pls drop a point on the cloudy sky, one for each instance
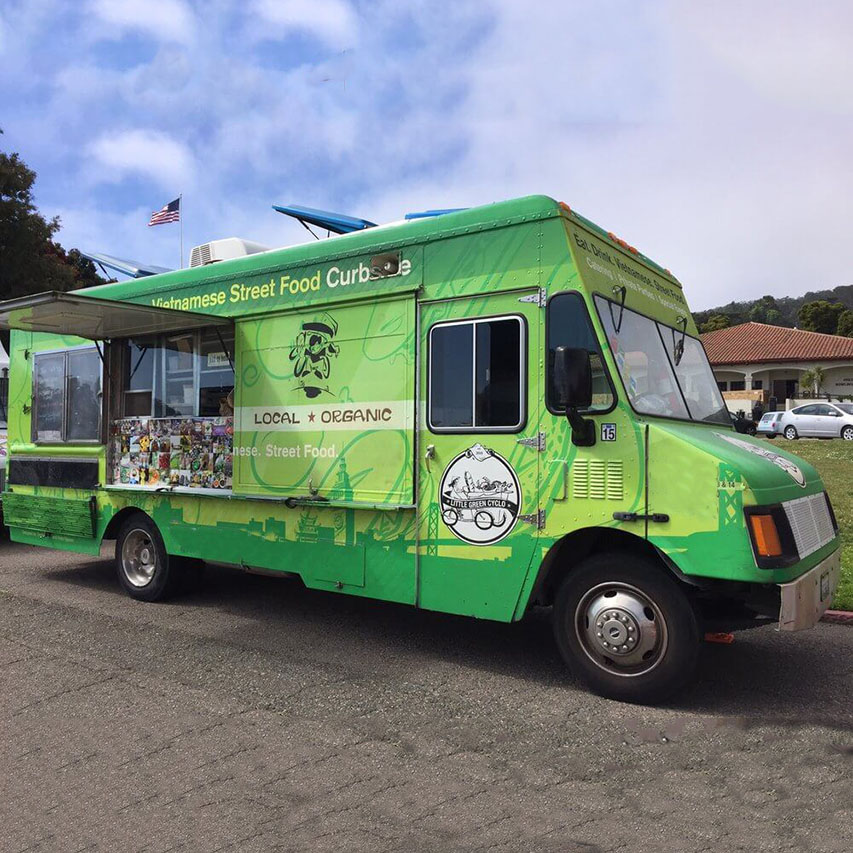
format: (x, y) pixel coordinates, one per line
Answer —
(716, 137)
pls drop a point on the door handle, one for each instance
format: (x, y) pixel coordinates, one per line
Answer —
(430, 454)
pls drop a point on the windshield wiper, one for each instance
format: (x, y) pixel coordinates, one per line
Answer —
(623, 293)
(678, 345)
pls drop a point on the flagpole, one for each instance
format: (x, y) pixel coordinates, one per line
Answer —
(181, 218)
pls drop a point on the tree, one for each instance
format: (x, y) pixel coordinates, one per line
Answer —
(715, 322)
(31, 261)
(766, 310)
(820, 316)
(813, 378)
(845, 324)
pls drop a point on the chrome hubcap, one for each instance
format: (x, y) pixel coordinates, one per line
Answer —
(138, 558)
(616, 631)
(621, 629)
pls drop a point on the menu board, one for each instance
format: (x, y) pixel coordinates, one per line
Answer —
(163, 452)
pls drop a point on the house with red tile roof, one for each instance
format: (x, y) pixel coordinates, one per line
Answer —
(757, 356)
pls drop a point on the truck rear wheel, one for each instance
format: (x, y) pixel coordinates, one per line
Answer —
(626, 628)
(145, 570)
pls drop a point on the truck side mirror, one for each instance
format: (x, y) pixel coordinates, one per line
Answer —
(572, 378)
(573, 390)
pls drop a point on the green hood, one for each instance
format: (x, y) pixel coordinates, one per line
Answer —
(772, 473)
(701, 477)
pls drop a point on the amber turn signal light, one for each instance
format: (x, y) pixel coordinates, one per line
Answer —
(765, 535)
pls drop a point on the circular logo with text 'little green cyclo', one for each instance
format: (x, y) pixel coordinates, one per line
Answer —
(479, 496)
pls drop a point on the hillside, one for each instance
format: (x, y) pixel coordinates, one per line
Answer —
(778, 312)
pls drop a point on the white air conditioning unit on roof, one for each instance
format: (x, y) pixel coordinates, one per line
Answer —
(225, 249)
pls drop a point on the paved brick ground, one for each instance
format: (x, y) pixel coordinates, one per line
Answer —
(256, 715)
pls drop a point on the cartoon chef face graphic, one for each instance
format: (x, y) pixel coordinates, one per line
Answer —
(312, 353)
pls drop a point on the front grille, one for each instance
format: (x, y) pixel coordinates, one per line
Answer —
(810, 523)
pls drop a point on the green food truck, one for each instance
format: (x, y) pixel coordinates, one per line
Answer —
(477, 413)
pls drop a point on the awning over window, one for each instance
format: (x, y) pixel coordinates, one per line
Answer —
(97, 319)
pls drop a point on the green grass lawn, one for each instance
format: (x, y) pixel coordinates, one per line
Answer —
(834, 462)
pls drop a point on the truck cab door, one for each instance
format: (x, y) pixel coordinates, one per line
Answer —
(479, 449)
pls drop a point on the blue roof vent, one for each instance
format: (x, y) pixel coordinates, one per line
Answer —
(134, 269)
(424, 214)
(339, 223)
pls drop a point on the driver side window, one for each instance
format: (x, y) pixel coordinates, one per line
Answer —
(568, 325)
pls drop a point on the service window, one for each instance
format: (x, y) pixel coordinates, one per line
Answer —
(476, 375)
(215, 375)
(185, 374)
(138, 385)
(67, 396)
(177, 393)
(177, 390)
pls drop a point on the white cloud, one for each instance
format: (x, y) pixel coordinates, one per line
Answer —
(165, 20)
(332, 21)
(670, 132)
(803, 63)
(149, 153)
(715, 138)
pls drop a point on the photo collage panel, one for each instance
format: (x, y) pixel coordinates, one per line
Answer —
(163, 452)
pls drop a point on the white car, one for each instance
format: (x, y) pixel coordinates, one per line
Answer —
(813, 420)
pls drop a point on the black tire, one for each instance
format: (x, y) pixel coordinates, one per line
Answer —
(790, 432)
(145, 570)
(847, 433)
(671, 655)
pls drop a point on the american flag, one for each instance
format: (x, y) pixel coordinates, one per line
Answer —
(169, 213)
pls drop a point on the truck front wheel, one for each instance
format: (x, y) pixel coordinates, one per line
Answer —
(626, 628)
(144, 568)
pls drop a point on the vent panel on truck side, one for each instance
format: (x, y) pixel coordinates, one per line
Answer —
(598, 479)
(55, 516)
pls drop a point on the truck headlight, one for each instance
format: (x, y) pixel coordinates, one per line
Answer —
(771, 536)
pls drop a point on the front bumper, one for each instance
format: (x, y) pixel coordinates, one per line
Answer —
(806, 599)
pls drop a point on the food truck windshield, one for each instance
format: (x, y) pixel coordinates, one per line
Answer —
(664, 370)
